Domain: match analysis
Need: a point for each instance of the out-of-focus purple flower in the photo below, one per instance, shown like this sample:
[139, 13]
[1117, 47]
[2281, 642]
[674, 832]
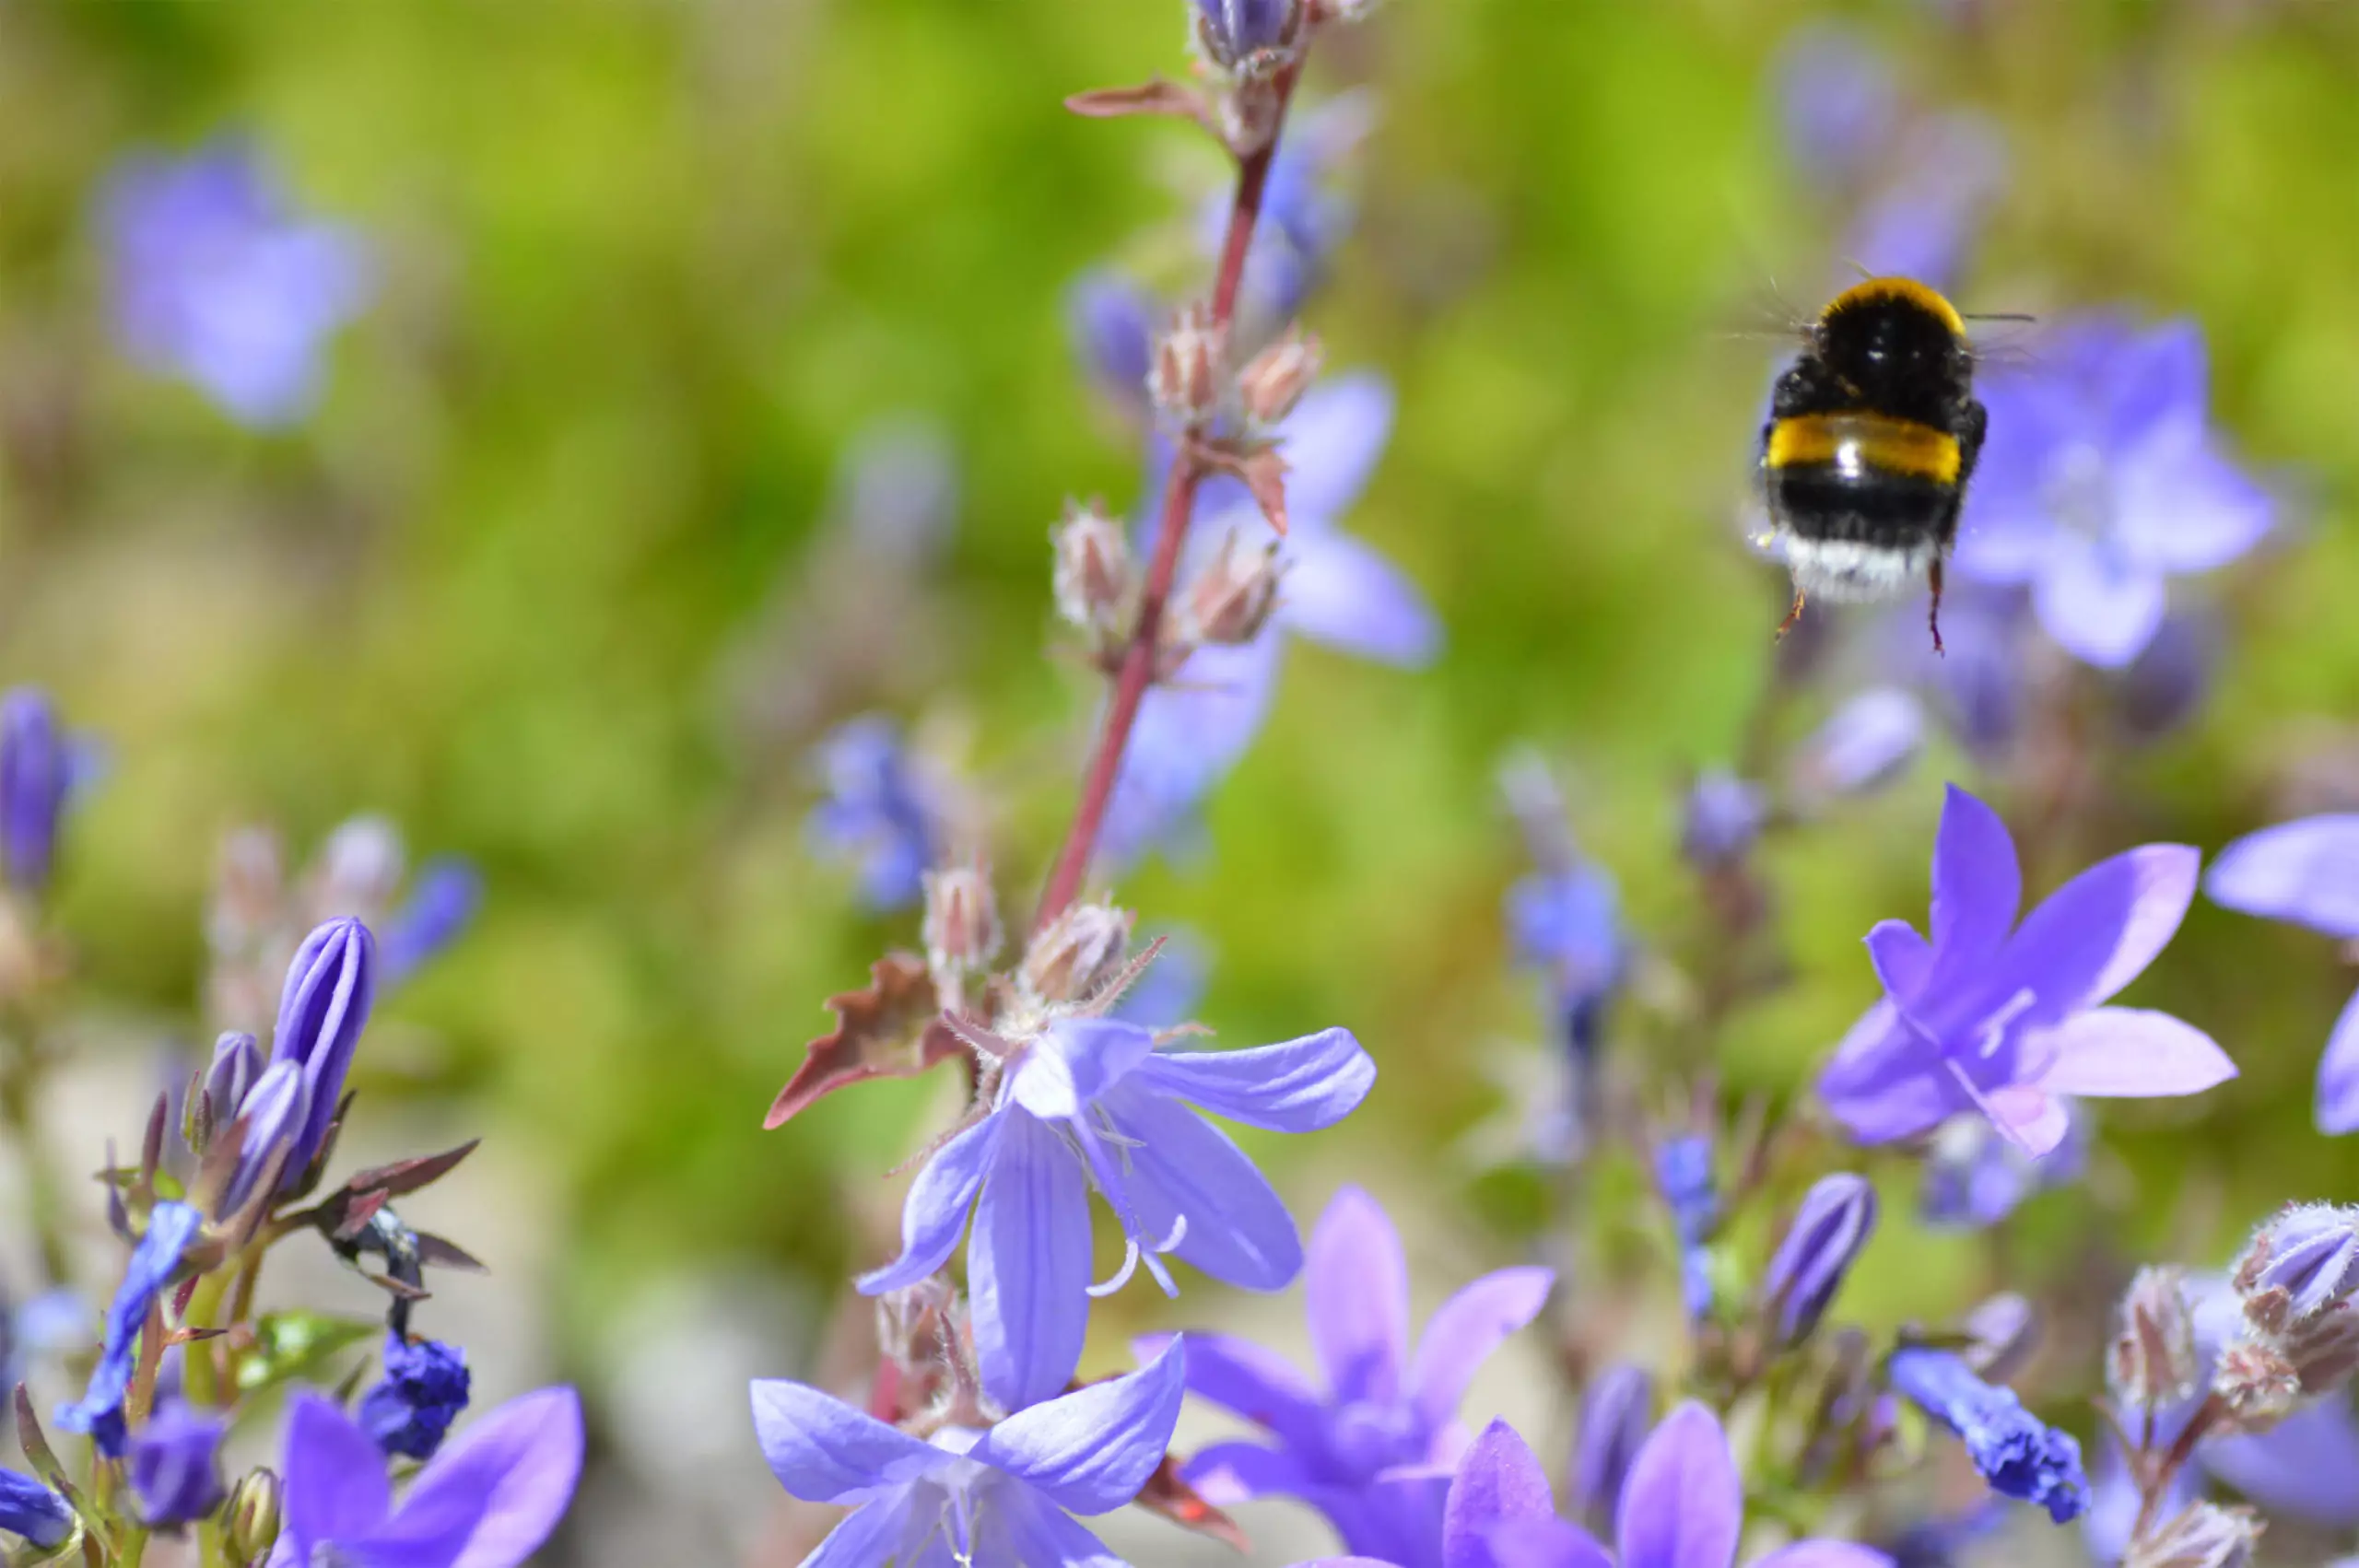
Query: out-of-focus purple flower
[1837, 103]
[275, 1111]
[35, 777]
[1386, 1410]
[1617, 1410]
[1499, 1486]
[1838, 1216]
[1946, 1540]
[1091, 1102]
[1976, 1176]
[1721, 820]
[895, 490]
[216, 279]
[1869, 741]
[2165, 686]
[1190, 734]
[1006, 1494]
[2305, 871]
[1113, 324]
[1924, 221]
[330, 988]
[2019, 1455]
[29, 1509]
[2101, 479]
[425, 1388]
[1975, 684]
[880, 814]
[171, 1227]
[487, 1501]
[441, 903]
[175, 1465]
[1567, 923]
[1305, 213]
[1683, 1176]
[1167, 995]
[1988, 1016]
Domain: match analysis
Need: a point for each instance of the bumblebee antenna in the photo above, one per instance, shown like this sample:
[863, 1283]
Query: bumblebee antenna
[1997, 316]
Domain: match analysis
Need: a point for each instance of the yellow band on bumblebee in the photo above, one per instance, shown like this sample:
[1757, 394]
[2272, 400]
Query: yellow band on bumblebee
[1864, 443]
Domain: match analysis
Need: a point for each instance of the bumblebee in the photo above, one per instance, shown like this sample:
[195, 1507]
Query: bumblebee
[1872, 436]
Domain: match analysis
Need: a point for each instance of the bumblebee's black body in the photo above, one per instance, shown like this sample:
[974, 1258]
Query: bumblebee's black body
[1872, 436]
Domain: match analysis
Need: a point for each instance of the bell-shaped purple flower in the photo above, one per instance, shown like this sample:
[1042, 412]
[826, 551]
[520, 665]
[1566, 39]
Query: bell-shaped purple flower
[2017, 1454]
[1838, 1216]
[425, 1388]
[172, 1229]
[2305, 871]
[36, 773]
[2009, 1019]
[1090, 1103]
[176, 1464]
[29, 1509]
[330, 988]
[1617, 1411]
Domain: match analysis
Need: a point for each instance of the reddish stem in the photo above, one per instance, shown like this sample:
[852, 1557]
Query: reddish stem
[1188, 472]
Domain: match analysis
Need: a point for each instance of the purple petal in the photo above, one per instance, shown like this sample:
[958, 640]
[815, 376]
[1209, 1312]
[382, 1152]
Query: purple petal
[2306, 870]
[2133, 1052]
[1682, 1505]
[2307, 1465]
[513, 1471]
[1461, 1337]
[1022, 1528]
[2100, 609]
[1357, 1296]
[1339, 590]
[1076, 1060]
[822, 1450]
[1903, 960]
[2098, 931]
[1239, 1230]
[1498, 1480]
[1256, 1383]
[1543, 1543]
[1092, 1449]
[1227, 1473]
[863, 1538]
[336, 1488]
[1884, 1083]
[934, 1214]
[1027, 1269]
[1978, 886]
[2338, 1106]
[1305, 1085]
[1824, 1555]
[2179, 506]
[1332, 443]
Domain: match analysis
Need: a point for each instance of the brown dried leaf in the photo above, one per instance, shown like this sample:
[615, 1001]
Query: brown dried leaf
[893, 1028]
[408, 1175]
[1166, 1494]
[443, 1253]
[1264, 473]
[1154, 96]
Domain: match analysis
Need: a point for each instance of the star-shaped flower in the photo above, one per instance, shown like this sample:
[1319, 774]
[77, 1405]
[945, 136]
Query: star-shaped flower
[2305, 871]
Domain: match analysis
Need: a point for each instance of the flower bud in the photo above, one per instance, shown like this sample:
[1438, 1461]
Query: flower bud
[1835, 1220]
[1190, 357]
[962, 931]
[1720, 820]
[321, 1013]
[1095, 580]
[252, 1519]
[1080, 951]
[2203, 1535]
[425, 1387]
[275, 1111]
[1230, 600]
[34, 776]
[30, 1509]
[2298, 1265]
[2323, 1351]
[1617, 1411]
[1275, 379]
[237, 1063]
[2257, 1384]
[175, 1465]
[1232, 33]
[2153, 1361]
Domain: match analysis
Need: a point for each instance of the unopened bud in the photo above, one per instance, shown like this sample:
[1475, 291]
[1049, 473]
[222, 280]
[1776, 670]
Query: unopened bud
[1095, 578]
[2299, 1265]
[2259, 1386]
[1190, 363]
[254, 1517]
[2151, 1360]
[1081, 950]
[2324, 1351]
[2203, 1535]
[962, 932]
[1275, 379]
[1230, 600]
[1838, 1216]
[1247, 35]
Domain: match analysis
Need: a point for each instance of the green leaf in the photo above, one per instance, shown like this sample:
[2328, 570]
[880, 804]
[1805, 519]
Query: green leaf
[296, 1344]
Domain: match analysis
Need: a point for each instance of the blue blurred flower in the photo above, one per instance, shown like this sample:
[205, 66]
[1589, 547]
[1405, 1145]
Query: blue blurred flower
[2164, 686]
[425, 1388]
[1837, 103]
[1305, 213]
[1924, 221]
[1683, 1176]
[171, 1228]
[1974, 1177]
[1977, 682]
[175, 1464]
[214, 278]
[1721, 819]
[1567, 923]
[1865, 744]
[2017, 1454]
[1617, 1411]
[880, 814]
[29, 1509]
[36, 775]
[443, 901]
[1167, 993]
[2101, 479]
[1112, 322]
[2305, 871]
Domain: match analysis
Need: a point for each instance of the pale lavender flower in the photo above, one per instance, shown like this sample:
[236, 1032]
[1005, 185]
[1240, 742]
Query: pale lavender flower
[1923, 222]
[880, 815]
[1869, 741]
[442, 902]
[1836, 1217]
[1837, 103]
[1721, 819]
[2005, 1019]
[2305, 871]
[1003, 1495]
[1386, 1410]
[2103, 479]
[172, 1229]
[2017, 1454]
[1091, 1103]
[216, 279]
[36, 776]
[487, 1501]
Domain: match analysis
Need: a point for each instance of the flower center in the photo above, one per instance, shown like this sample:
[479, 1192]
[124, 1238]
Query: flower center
[1365, 1438]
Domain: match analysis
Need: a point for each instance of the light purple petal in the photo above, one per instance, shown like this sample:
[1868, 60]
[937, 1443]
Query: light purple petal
[2307, 1466]
[1885, 1084]
[2098, 931]
[2306, 870]
[2101, 610]
[864, 1536]
[1239, 1230]
[1462, 1335]
[822, 1450]
[1227, 1473]
[336, 1488]
[1339, 590]
[1092, 1449]
[1682, 1505]
[1867, 743]
[1545, 1543]
[1244, 1377]
[2179, 505]
[2129, 1051]
[1903, 960]
[523, 1462]
[1824, 1555]
[1027, 1269]
[1332, 443]
[935, 1215]
[1305, 1085]
[1075, 1061]
[2338, 1106]
[2147, 380]
[1498, 1480]
[1357, 1296]
[1978, 886]
[1027, 1530]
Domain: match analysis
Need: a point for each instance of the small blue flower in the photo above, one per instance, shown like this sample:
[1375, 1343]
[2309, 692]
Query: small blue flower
[1975, 1177]
[1112, 322]
[2017, 1454]
[330, 988]
[36, 775]
[441, 903]
[1684, 1174]
[1234, 29]
[171, 1228]
[29, 1509]
[175, 1465]
[423, 1389]
[1721, 819]
[1837, 103]
[880, 812]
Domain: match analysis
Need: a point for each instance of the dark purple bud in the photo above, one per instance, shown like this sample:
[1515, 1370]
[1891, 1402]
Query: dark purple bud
[277, 1109]
[1232, 32]
[1722, 818]
[326, 1005]
[29, 1509]
[2298, 1265]
[175, 1465]
[237, 1065]
[36, 769]
[425, 1388]
[1617, 1411]
[1838, 1216]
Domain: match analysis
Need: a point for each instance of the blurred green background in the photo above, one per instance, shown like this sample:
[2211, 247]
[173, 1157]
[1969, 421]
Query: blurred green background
[529, 578]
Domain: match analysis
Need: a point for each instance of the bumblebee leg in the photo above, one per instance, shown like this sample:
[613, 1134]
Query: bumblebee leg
[1933, 617]
[1791, 616]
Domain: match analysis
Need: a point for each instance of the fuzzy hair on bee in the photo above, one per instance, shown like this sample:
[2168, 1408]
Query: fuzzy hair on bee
[1872, 436]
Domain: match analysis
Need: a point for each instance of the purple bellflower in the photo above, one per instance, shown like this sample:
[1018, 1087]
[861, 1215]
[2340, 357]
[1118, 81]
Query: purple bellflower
[2017, 1454]
[175, 1465]
[172, 1229]
[29, 1509]
[36, 775]
[2305, 871]
[425, 1388]
[2102, 478]
[2005, 1019]
[1372, 1452]
[1090, 1103]
[1004, 1495]
[1838, 1216]
[441, 903]
[1113, 322]
[1976, 1176]
[215, 279]
[330, 986]
[880, 812]
[487, 1501]
[1617, 1411]
[1498, 1486]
